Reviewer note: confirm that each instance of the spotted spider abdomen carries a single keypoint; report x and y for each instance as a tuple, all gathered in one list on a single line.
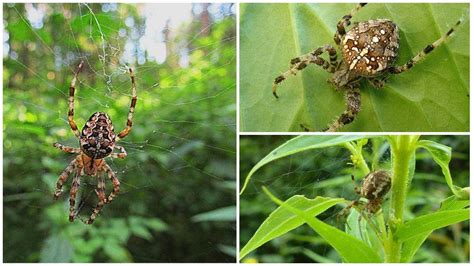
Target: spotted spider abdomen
[(98, 137), (376, 185), (370, 47)]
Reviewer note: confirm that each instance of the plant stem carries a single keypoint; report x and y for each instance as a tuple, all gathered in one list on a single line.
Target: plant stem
[(403, 151), (357, 157)]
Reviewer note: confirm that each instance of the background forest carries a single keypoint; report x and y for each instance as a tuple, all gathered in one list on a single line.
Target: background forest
[(177, 199)]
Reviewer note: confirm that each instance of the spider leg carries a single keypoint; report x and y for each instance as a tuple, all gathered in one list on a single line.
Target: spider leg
[(345, 22), (115, 183), (72, 200), (300, 63), (66, 148), (125, 132), (421, 55), (120, 155), (378, 82), (63, 177), (101, 195), (352, 108), (72, 89)]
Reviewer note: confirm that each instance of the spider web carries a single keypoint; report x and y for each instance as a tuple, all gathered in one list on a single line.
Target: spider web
[(149, 41), (319, 172)]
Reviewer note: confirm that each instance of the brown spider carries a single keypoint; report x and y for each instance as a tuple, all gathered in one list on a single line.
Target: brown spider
[(374, 187), (369, 50), (97, 141)]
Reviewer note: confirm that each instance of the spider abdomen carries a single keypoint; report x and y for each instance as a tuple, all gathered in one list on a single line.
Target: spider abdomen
[(98, 137), (376, 185), (370, 47)]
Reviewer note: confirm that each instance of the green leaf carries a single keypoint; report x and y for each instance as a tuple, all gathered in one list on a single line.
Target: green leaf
[(430, 222), (222, 214), (411, 246), (156, 224), (116, 252), (417, 100), (442, 156), (299, 144), (281, 221), (56, 249), (349, 248)]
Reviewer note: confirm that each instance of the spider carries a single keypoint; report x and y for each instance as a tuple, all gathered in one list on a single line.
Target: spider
[(375, 186), (369, 50), (97, 141)]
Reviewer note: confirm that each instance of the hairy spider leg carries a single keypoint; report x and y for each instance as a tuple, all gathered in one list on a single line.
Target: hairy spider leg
[(72, 89), (115, 183), (125, 132), (121, 155), (67, 148), (353, 101), (116, 189), (76, 181), (301, 62), (421, 55), (100, 191), (345, 22), (63, 178)]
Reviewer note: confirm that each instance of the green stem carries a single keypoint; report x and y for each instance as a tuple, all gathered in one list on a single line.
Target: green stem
[(357, 157), (403, 151)]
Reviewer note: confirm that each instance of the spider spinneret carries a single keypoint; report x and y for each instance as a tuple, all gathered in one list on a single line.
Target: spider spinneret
[(369, 50), (97, 141)]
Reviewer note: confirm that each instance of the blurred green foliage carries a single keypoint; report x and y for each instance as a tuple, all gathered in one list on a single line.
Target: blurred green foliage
[(327, 173), (177, 198)]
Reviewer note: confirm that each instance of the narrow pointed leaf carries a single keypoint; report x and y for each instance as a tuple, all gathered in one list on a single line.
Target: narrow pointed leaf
[(281, 221), (348, 247), (299, 144)]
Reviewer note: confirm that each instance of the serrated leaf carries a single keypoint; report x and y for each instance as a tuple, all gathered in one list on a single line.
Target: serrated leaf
[(432, 96), (299, 144), (281, 221)]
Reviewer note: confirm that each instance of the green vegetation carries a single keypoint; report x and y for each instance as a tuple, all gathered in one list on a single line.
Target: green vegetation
[(177, 198), (424, 218), (432, 96)]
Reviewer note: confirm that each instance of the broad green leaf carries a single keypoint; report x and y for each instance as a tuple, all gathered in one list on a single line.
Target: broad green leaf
[(411, 246), (432, 96), (348, 247), (281, 221), (442, 156), (299, 144), (430, 222), (221, 214)]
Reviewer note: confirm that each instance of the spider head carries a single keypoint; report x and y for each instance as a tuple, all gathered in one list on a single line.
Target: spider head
[(97, 137)]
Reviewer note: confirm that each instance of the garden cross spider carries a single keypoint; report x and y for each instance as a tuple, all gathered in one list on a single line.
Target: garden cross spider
[(374, 187), (97, 141), (369, 50)]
